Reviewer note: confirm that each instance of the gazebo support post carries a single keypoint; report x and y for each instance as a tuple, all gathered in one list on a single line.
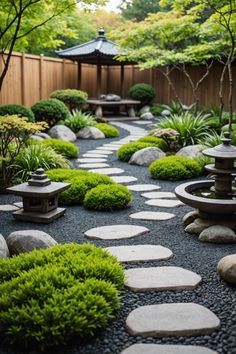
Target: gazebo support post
[(79, 75), (122, 81), (99, 80)]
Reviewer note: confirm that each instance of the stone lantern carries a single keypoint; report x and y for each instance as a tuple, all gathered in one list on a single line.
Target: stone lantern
[(40, 198)]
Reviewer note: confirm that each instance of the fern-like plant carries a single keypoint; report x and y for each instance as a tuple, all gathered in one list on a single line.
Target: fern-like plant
[(79, 120)]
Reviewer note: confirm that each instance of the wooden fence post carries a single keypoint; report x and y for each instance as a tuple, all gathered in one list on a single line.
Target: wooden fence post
[(23, 81), (41, 78)]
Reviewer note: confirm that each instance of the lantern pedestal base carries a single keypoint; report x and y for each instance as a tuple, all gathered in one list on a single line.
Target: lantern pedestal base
[(39, 218)]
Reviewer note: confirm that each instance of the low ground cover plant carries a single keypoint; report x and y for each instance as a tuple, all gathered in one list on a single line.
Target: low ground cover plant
[(174, 168), (17, 110), (106, 197), (142, 92), (127, 150), (108, 130), (158, 142), (49, 296), (74, 99), (78, 120), (51, 111), (65, 148)]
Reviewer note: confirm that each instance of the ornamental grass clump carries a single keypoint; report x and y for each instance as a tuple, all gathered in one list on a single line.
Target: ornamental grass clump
[(175, 168), (108, 130), (127, 150), (65, 148), (50, 296), (107, 198)]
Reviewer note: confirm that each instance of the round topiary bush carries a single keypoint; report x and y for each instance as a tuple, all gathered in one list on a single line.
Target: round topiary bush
[(158, 142), (142, 92), (174, 168), (49, 296), (105, 197), (50, 111), (74, 99), (16, 109), (65, 148), (108, 130), (127, 150)]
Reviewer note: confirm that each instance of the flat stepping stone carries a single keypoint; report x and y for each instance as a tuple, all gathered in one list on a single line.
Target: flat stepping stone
[(143, 187), (18, 204), (107, 148), (159, 195), (178, 319), (94, 155), (124, 179), (161, 278), (102, 152), (108, 171), (116, 232), (166, 349), (142, 122), (152, 215), (140, 253), (165, 203), (8, 207), (91, 160), (93, 165)]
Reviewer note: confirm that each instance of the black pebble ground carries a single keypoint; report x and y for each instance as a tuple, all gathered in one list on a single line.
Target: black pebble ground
[(189, 253)]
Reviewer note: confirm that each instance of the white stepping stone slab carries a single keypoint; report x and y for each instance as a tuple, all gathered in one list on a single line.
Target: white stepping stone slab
[(91, 160), (159, 195), (116, 232), (166, 349), (108, 171), (95, 155), (178, 319), (123, 179), (18, 205), (107, 148), (152, 215), (161, 278), (165, 203), (143, 187), (110, 147), (93, 165), (140, 253), (8, 207), (105, 152), (142, 122)]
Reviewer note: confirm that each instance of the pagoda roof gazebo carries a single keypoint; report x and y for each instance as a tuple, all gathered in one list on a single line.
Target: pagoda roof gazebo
[(99, 51)]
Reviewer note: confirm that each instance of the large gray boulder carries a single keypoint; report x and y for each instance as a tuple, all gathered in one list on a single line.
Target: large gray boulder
[(227, 268), (28, 240), (146, 156), (147, 115), (4, 251), (90, 133), (62, 132), (218, 234), (191, 151)]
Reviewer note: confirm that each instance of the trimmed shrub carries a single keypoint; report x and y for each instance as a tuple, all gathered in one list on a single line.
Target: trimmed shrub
[(74, 99), (170, 136), (79, 120), (50, 111), (105, 197), (127, 150), (142, 92), (108, 130), (16, 109), (174, 168), (49, 296), (158, 142), (65, 148)]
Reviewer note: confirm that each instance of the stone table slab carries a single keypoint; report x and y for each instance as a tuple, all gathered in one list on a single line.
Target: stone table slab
[(152, 215), (161, 279), (164, 203), (140, 253), (159, 195), (175, 319), (108, 171), (93, 165), (123, 179), (166, 349), (143, 187), (116, 232)]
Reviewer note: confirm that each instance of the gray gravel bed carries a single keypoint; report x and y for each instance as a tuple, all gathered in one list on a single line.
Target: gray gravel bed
[(189, 253)]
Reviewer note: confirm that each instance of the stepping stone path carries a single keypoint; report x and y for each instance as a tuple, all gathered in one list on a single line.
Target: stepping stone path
[(165, 203), (8, 207), (93, 165), (173, 319), (166, 349), (161, 278), (140, 253), (116, 232), (152, 215), (143, 187), (178, 319)]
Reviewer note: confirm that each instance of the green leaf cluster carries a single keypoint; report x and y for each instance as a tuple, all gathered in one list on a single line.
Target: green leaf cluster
[(108, 130), (74, 99), (16, 109), (65, 148), (78, 120), (158, 142), (142, 92), (50, 110)]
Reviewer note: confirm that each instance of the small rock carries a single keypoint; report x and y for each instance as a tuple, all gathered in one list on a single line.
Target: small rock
[(28, 240), (147, 115), (193, 228), (165, 112), (146, 156), (227, 268), (144, 109), (36, 137), (190, 217), (218, 234), (62, 132), (43, 135), (191, 151), (90, 133), (4, 251)]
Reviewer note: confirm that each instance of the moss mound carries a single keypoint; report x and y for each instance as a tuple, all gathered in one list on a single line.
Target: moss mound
[(175, 168), (108, 130), (105, 197), (127, 150), (49, 296), (158, 142), (65, 148)]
